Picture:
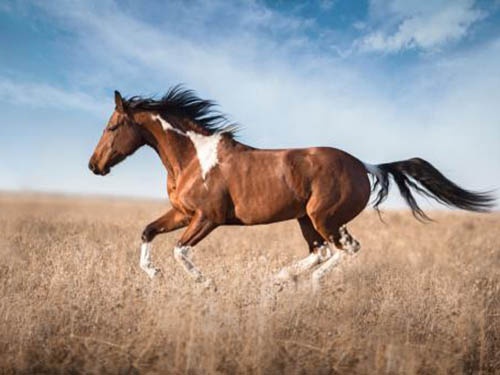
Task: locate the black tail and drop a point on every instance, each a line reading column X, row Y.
column 419, row 175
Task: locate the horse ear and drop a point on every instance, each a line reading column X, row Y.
column 119, row 102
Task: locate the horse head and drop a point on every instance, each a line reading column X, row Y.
column 120, row 138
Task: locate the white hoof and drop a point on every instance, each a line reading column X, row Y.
column 152, row 272
column 145, row 260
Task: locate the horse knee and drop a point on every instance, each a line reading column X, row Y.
column 149, row 233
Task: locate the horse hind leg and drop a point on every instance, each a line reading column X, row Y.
column 347, row 241
column 319, row 252
column 325, row 268
column 343, row 241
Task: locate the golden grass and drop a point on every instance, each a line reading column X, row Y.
column 418, row 299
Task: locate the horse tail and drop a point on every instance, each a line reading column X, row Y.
column 419, row 175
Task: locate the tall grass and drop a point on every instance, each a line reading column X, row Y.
column 418, row 299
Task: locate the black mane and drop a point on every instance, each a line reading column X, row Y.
column 184, row 102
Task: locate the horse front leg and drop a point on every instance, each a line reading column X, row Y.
column 172, row 220
column 199, row 227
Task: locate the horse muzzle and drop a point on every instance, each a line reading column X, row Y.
column 96, row 170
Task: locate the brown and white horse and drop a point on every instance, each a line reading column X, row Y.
column 215, row 180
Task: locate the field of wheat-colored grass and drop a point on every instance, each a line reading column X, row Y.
column 417, row 299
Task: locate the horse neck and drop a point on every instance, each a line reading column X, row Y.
column 173, row 147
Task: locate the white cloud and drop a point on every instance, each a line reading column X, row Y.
column 359, row 25
column 427, row 26
column 326, row 4
column 43, row 95
column 253, row 76
column 284, row 92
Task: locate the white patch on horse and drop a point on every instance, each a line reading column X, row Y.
column 205, row 145
column 373, row 169
column 299, row 267
column 206, row 150
column 181, row 255
column 145, row 261
column 167, row 125
column 318, row 274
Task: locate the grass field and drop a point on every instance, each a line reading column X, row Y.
column 418, row 299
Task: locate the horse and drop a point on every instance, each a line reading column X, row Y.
column 214, row 180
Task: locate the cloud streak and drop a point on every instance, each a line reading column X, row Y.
column 43, row 95
column 268, row 73
column 421, row 26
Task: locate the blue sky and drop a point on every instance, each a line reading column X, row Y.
column 382, row 79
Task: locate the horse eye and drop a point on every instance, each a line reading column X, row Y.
column 114, row 127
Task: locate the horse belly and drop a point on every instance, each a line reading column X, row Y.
column 268, row 205
column 267, row 186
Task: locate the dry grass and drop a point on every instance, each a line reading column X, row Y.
column 419, row 299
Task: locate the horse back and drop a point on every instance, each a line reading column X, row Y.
column 274, row 185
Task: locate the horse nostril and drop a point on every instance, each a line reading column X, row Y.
column 92, row 167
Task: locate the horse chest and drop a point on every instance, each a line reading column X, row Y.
column 202, row 196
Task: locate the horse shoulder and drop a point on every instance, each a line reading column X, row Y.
column 208, row 195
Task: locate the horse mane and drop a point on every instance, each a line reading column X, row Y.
column 185, row 102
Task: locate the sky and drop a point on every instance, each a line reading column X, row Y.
column 384, row 80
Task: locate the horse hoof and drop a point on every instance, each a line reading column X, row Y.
column 153, row 273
